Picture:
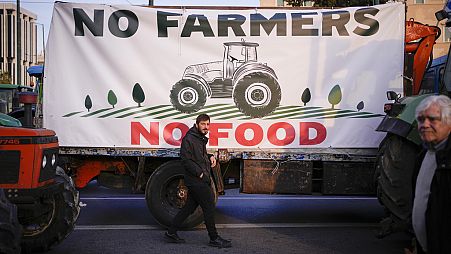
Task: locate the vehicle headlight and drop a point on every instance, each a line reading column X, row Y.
column 44, row 161
column 53, row 159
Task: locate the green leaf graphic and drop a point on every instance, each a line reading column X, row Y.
column 360, row 106
column 88, row 102
column 112, row 99
column 335, row 95
column 138, row 94
column 306, row 96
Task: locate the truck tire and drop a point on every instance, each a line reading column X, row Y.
column 188, row 96
column 394, row 168
column 10, row 229
column 257, row 94
column 166, row 194
column 50, row 229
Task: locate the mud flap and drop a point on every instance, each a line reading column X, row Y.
column 217, row 178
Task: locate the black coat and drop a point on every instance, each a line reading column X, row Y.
column 438, row 212
column 195, row 159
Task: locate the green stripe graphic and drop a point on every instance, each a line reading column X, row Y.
column 118, row 111
column 144, row 110
column 225, row 112
column 96, row 112
column 73, row 113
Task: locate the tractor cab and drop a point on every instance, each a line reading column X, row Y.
column 9, row 97
column 236, row 54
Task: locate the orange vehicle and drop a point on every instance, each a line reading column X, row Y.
column 46, row 199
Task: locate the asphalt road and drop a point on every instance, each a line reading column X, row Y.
column 119, row 222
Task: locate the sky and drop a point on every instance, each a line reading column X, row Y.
column 43, row 8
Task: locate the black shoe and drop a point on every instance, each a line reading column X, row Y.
column 173, row 238
column 220, row 243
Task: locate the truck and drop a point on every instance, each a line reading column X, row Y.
column 299, row 119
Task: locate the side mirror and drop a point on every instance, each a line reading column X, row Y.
column 392, row 96
column 441, row 15
column 444, row 13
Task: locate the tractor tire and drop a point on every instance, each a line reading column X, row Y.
column 10, row 229
column 257, row 94
column 166, row 194
column 188, row 96
column 394, row 168
column 42, row 233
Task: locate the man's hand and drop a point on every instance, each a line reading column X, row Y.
column 213, row 161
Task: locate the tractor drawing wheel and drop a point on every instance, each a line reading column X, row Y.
column 394, row 168
column 10, row 230
column 188, row 96
column 257, row 94
column 58, row 219
column 166, row 194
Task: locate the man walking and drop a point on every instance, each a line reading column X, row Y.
column 431, row 215
column 198, row 179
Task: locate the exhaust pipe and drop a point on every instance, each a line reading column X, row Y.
column 28, row 99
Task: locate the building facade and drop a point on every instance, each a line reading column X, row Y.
column 8, row 42
column 424, row 11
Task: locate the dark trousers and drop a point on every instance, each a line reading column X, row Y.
column 198, row 195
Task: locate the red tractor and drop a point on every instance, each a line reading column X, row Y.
column 46, row 199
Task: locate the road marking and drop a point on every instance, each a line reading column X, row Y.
column 233, row 226
column 299, row 198
column 116, row 227
column 245, row 198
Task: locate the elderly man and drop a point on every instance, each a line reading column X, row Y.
column 431, row 215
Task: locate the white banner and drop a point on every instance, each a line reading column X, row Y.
column 127, row 76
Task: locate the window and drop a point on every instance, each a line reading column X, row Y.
column 427, row 84
column 1, row 36
column 280, row 2
column 419, row 1
column 446, row 34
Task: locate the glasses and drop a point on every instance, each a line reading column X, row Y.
column 421, row 119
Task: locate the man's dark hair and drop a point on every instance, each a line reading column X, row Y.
column 202, row 117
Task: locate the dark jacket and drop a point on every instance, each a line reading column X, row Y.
column 438, row 212
column 195, row 159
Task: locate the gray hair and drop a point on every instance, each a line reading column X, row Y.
column 442, row 101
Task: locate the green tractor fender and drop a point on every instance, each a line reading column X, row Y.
column 404, row 124
column 9, row 121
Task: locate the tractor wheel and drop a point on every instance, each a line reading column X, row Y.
column 10, row 230
column 166, row 194
column 394, row 168
column 188, row 96
column 257, row 94
column 53, row 226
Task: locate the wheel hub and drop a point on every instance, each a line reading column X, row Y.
column 188, row 96
column 182, row 193
column 177, row 194
column 258, row 94
column 38, row 224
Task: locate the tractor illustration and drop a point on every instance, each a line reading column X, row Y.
column 252, row 85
